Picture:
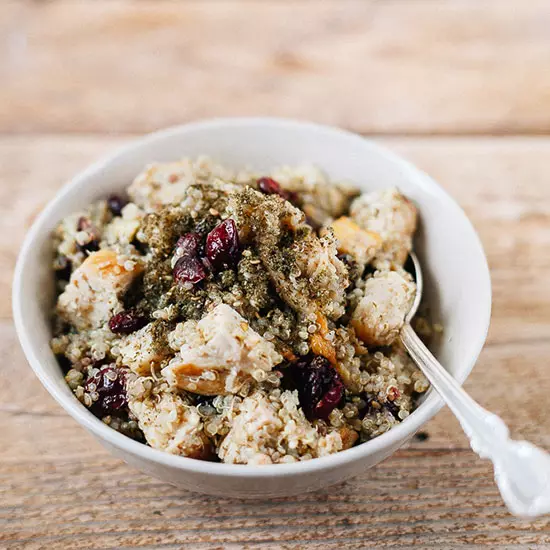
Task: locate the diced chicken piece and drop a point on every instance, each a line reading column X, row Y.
column 324, row 275
column 169, row 424
column 264, row 432
column 167, row 183
column 161, row 183
column 392, row 216
column 218, row 354
column 123, row 229
column 141, row 351
column 361, row 244
column 252, row 433
column 304, row 268
column 380, row 314
column 93, row 294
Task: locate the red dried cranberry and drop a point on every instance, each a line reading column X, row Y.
column 268, row 186
column 222, row 245
column 127, row 322
column 320, row 387
column 116, row 203
column 106, row 387
column 189, row 269
column 331, row 399
column 190, row 244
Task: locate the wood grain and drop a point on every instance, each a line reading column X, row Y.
column 397, row 67
column 60, row 489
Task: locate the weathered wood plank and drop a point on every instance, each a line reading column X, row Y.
column 378, row 67
column 403, row 500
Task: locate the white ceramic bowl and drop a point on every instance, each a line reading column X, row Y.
column 457, row 284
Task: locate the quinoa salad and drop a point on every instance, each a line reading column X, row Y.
column 241, row 317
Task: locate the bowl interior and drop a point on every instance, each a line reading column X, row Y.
column 457, row 283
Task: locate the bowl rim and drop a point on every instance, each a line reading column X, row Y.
column 396, row 436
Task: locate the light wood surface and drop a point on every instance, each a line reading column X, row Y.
column 414, row 69
column 392, row 66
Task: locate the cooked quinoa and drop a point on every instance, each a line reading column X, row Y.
column 240, row 317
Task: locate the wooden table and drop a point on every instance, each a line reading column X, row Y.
column 460, row 87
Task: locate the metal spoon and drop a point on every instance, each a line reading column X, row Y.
column 522, row 470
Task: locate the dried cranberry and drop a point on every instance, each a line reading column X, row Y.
column 116, row 203
column 106, row 387
column 127, row 322
column 222, row 245
column 320, row 387
column 190, row 244
column 268, row 186
column 189, row 269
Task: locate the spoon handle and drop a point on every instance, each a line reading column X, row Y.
column 522, row 471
